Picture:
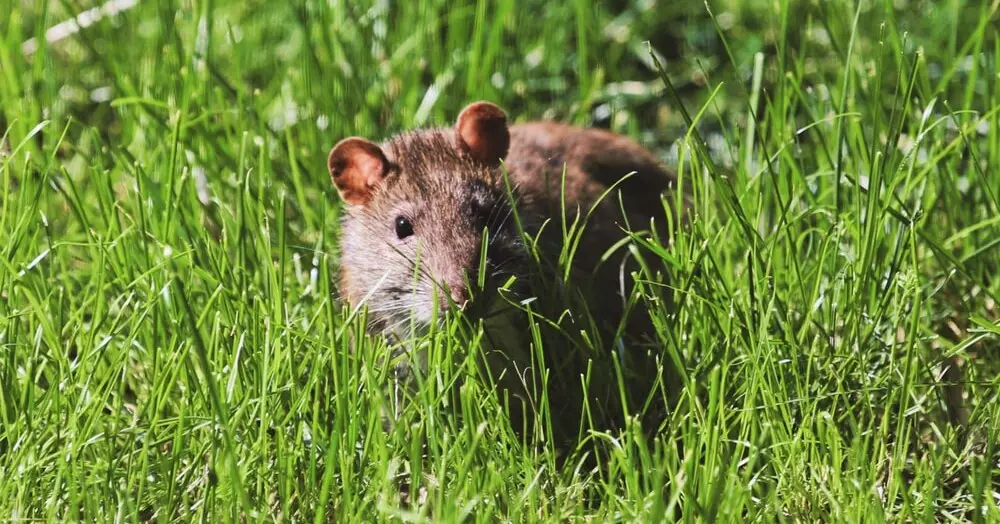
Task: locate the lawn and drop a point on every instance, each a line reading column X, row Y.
column 172, row 347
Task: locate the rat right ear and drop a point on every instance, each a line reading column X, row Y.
column 356, row 166
column 482, row 132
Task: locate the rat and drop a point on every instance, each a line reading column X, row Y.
column 439, row 220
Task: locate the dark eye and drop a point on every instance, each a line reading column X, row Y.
column 403, row 227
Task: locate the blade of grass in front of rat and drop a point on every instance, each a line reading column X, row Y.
column 573, row 235
column 483, row 247
column 510, row 193
column 565, row 228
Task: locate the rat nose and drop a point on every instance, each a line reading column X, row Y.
column 459, row 294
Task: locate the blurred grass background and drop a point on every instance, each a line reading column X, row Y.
column 170, row 346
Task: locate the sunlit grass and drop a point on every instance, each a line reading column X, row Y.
column 172, row 346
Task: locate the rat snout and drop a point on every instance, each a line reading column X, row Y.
column 456, row 276
column 459, row 294
column 453, row 292
column 453, row 287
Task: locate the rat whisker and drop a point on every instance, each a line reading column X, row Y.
column 503, row 222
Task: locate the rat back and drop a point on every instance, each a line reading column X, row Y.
column 594, row 161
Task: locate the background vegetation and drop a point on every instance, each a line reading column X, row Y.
column 171, row 347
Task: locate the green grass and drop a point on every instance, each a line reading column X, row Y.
column 171, row 346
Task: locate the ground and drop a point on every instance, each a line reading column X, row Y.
column 172, row 346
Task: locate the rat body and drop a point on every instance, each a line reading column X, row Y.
column 422, row 206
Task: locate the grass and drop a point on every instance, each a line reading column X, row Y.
column 171, row 346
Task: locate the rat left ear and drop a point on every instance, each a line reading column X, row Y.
column 481, row 132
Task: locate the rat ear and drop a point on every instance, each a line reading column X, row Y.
column 481, row 132
column 356, row 167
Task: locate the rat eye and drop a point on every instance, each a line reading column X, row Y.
column 403, row 227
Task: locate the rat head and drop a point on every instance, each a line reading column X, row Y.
column 420, row 209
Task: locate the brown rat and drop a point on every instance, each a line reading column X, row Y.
column 418, row 205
